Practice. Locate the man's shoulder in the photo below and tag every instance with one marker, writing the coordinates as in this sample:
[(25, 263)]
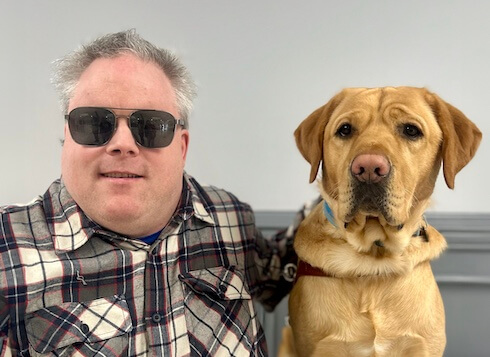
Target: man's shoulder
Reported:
[(222, 208), (20, 208), (17, 219), (49, 201)]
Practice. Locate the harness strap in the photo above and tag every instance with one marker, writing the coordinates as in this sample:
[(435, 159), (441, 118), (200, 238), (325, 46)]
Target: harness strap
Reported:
[(305, 269)]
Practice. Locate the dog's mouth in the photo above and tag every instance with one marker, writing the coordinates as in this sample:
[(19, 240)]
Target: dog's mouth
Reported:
[(371, 202)]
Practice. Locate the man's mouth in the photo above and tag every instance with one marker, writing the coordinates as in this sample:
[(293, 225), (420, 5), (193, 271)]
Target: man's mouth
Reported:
[(120, 175)]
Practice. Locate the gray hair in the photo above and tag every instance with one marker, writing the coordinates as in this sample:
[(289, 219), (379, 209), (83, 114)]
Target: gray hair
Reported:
[(67, 70)]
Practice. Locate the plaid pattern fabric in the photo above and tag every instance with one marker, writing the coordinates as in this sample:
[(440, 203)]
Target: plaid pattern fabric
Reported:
[(68, 287)]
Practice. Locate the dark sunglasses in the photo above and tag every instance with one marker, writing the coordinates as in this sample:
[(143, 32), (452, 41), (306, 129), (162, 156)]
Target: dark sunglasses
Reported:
[(95, 126)]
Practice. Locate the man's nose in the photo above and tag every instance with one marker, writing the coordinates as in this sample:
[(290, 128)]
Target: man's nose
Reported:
[(122, 142)]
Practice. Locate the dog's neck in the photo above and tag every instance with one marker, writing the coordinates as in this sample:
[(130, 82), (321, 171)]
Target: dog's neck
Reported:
[(374, 234), (305, 269), (366, 246)]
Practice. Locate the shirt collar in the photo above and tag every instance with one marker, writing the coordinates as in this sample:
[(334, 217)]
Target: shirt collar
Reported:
[(70, 228), (194, 200)]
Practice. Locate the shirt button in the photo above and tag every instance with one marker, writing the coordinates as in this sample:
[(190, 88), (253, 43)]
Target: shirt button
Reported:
[(156, 317), (223, 288), (85, 329)]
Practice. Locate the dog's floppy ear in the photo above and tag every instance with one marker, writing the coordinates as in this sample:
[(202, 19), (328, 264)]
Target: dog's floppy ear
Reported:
[(461, 137), (309, 134)]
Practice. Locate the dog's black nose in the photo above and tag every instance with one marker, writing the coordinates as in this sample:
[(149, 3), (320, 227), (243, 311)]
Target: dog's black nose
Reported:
[(370, 168)]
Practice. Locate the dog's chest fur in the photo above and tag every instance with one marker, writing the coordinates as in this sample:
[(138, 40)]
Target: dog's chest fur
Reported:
[(369, 300), (366, 315)]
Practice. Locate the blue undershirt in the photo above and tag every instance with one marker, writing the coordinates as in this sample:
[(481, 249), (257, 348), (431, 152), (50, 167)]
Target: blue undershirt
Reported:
[(151, 238)]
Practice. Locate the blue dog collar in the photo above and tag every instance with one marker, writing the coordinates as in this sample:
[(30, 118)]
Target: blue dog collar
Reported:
[(329, 214)]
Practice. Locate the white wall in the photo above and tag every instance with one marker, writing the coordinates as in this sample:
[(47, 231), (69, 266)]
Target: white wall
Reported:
[(261, 67)]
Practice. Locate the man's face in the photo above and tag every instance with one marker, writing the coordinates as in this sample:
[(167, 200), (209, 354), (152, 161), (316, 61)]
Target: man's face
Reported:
[(123, 186)]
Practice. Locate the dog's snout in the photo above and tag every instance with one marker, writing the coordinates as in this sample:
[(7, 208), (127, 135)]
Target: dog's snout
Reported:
[(370, 168)]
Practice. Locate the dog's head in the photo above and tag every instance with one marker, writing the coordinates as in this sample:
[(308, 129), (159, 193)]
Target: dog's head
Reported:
[(381, 149)]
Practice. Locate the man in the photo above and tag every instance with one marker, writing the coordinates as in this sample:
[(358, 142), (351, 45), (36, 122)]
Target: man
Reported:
[(126, 254)]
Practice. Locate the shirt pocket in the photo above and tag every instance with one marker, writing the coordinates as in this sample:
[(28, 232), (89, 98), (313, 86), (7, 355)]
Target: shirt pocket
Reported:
[(95, 328), (218, 283), (218, 308)]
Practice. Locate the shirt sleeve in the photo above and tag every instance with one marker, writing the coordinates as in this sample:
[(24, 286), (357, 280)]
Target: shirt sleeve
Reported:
[(5, 349), (276, 261)]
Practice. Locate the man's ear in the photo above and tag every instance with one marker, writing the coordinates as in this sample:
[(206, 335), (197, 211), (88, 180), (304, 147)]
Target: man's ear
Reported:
[(309, 134), (461, 137), (184, 143)]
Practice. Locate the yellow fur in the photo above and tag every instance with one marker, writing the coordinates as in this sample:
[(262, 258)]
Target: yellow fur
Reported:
[(382, 299)]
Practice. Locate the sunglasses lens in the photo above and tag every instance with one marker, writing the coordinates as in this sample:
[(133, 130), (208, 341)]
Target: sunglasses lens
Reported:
[(91, 126), (152, 128)]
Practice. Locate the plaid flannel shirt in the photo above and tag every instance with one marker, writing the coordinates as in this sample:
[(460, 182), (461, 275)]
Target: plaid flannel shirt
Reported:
[(69, 287)]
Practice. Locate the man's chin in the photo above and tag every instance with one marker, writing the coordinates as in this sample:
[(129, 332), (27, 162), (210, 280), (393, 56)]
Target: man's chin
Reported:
[(114, 216)]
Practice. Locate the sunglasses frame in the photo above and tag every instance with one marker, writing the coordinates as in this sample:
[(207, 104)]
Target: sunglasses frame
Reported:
[(178, 122)]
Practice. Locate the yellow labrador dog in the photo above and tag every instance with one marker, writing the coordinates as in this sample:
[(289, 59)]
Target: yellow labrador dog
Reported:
[(364, 285)]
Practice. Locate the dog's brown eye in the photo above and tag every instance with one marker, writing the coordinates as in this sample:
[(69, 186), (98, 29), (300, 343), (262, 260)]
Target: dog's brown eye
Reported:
[(411, 131), (345, 130)]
